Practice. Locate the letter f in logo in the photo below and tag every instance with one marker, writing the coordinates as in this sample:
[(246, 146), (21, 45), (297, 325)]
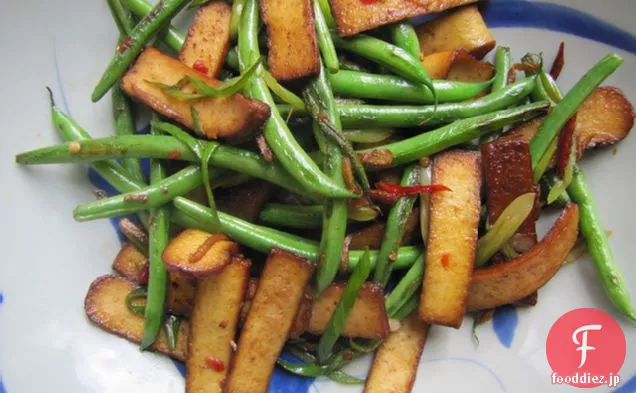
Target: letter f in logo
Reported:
[(583, 344)]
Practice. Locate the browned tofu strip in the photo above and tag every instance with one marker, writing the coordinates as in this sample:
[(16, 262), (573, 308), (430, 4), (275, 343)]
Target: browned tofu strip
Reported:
[(208, 39), (198, 253), (354, 16), (213, 326), (605, 118), (452, 239), (105, 306), (234, 117), (129, 263), (293, 48), (396, 361), (463, 28), (280, 292), (509, 282), (367, 319), (508, 174)]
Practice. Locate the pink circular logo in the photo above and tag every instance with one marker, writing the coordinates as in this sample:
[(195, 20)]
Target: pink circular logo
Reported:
[(586, 348)]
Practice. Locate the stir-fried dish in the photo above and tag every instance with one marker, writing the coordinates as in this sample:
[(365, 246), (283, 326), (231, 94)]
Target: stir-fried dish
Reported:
[(326, 180)]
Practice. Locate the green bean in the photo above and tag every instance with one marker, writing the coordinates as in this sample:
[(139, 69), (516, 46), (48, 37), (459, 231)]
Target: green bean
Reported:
[(556, 119), (390, 56), (365, 116), (341, 313), (406, 288), (461, 131), (302, 217), (158, 234), (280, 139), (319, 98), (394, 88), (190, 214), (172, 37), (132, 45), (394, 229), (125, 125), (598, 245), (327, 48), (326, 12), (579, 190), (404, 36), (122, 17), (503, 64), (152, 196), (235, 20), (163, 147), (115, 174)]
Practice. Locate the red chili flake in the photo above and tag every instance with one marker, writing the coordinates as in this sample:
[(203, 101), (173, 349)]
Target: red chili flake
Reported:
[(223, 324), (564, 145), (445, 261), (401, 191), (559, 62), (369, 1), (144, 274), (347, 356), (215, 364), (200, 66), (205, 247), (173, 155), (124, 44)]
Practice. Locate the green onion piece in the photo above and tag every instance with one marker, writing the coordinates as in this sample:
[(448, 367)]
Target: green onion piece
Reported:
[(366, 347), (193, 143), (133, 297), (172, 325), (550, 86), (339, 318), (336, 375), (282, 92), (202, 89), (205, 174), (362, 213), (504, 228), (368, 135)]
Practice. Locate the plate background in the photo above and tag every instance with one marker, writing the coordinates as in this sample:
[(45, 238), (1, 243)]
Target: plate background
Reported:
[(48, 260)]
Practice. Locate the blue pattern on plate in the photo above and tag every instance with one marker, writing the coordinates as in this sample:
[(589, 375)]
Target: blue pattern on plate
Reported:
[(1, 298), (505, 322), (497, 13), (627, 387), (555, 17), (2, 389)]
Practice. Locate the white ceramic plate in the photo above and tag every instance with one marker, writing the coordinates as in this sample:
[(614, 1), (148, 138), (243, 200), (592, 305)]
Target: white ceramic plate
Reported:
[(48, 260)]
